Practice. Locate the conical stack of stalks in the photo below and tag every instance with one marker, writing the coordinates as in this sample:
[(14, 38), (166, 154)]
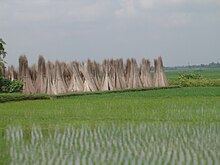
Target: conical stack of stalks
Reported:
[(50, 78), (60, 84), (60, 77), (107, 79), (89, 82), (120, 82), (41, 75), (133, 74), (145, 73), (76, 82), (160, 79), (24, 75), (65, 71), (33, 74), (11, 73), (95, 73)]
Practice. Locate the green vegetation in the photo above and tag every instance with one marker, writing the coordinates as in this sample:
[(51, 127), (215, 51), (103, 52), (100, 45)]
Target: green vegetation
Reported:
[(7, 97), (2, 53), (10, 86), (194, 77), (193, 80), (7, 86), (170, 125), (209, 73), (181, 104)]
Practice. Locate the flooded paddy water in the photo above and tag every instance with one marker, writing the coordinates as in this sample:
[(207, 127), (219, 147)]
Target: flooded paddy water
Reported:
[(131, 143)]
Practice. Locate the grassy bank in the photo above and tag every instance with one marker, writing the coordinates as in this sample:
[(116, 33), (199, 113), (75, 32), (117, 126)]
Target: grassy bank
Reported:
[(9, 97)]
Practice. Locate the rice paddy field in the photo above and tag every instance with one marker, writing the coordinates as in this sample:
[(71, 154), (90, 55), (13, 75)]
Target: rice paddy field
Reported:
[(164, 126), (209, 73)]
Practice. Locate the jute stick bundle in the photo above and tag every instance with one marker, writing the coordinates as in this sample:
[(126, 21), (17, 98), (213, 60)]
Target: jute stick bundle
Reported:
[(59, 77)]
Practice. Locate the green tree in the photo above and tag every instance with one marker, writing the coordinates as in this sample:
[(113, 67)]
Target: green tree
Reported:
[(7, 85), (2, 54)]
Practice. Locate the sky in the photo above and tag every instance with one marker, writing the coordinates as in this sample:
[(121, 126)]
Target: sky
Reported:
[(183, 32)]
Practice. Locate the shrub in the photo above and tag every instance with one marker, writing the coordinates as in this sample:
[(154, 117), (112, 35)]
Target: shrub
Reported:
[(7, 97), (193, 80), (14, 86), (2, 83), (190, 76), (9, 86)]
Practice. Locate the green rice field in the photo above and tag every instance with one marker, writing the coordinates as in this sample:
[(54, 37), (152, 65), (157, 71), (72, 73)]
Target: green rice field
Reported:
[(209, 73), (164, 126)]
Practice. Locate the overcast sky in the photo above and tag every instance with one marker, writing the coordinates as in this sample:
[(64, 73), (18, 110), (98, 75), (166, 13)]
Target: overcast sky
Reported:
[(181, 31)]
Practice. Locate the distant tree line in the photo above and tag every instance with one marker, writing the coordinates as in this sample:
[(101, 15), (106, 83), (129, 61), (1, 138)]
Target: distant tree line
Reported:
[(201, 66)]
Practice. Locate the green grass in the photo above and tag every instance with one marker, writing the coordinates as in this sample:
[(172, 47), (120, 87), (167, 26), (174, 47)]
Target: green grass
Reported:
[(181, 104), (6, 97), (190, 109), (209, 73)]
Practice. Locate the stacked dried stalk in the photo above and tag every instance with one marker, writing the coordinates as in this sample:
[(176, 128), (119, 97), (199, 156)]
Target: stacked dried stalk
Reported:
[(41, 76), (76, 82), (50, 78), (89, 80), (11, 73), (145, 73), (25, 76), (133, 74), (160, 79), (108, 76), (59, 77), (120, 82)]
